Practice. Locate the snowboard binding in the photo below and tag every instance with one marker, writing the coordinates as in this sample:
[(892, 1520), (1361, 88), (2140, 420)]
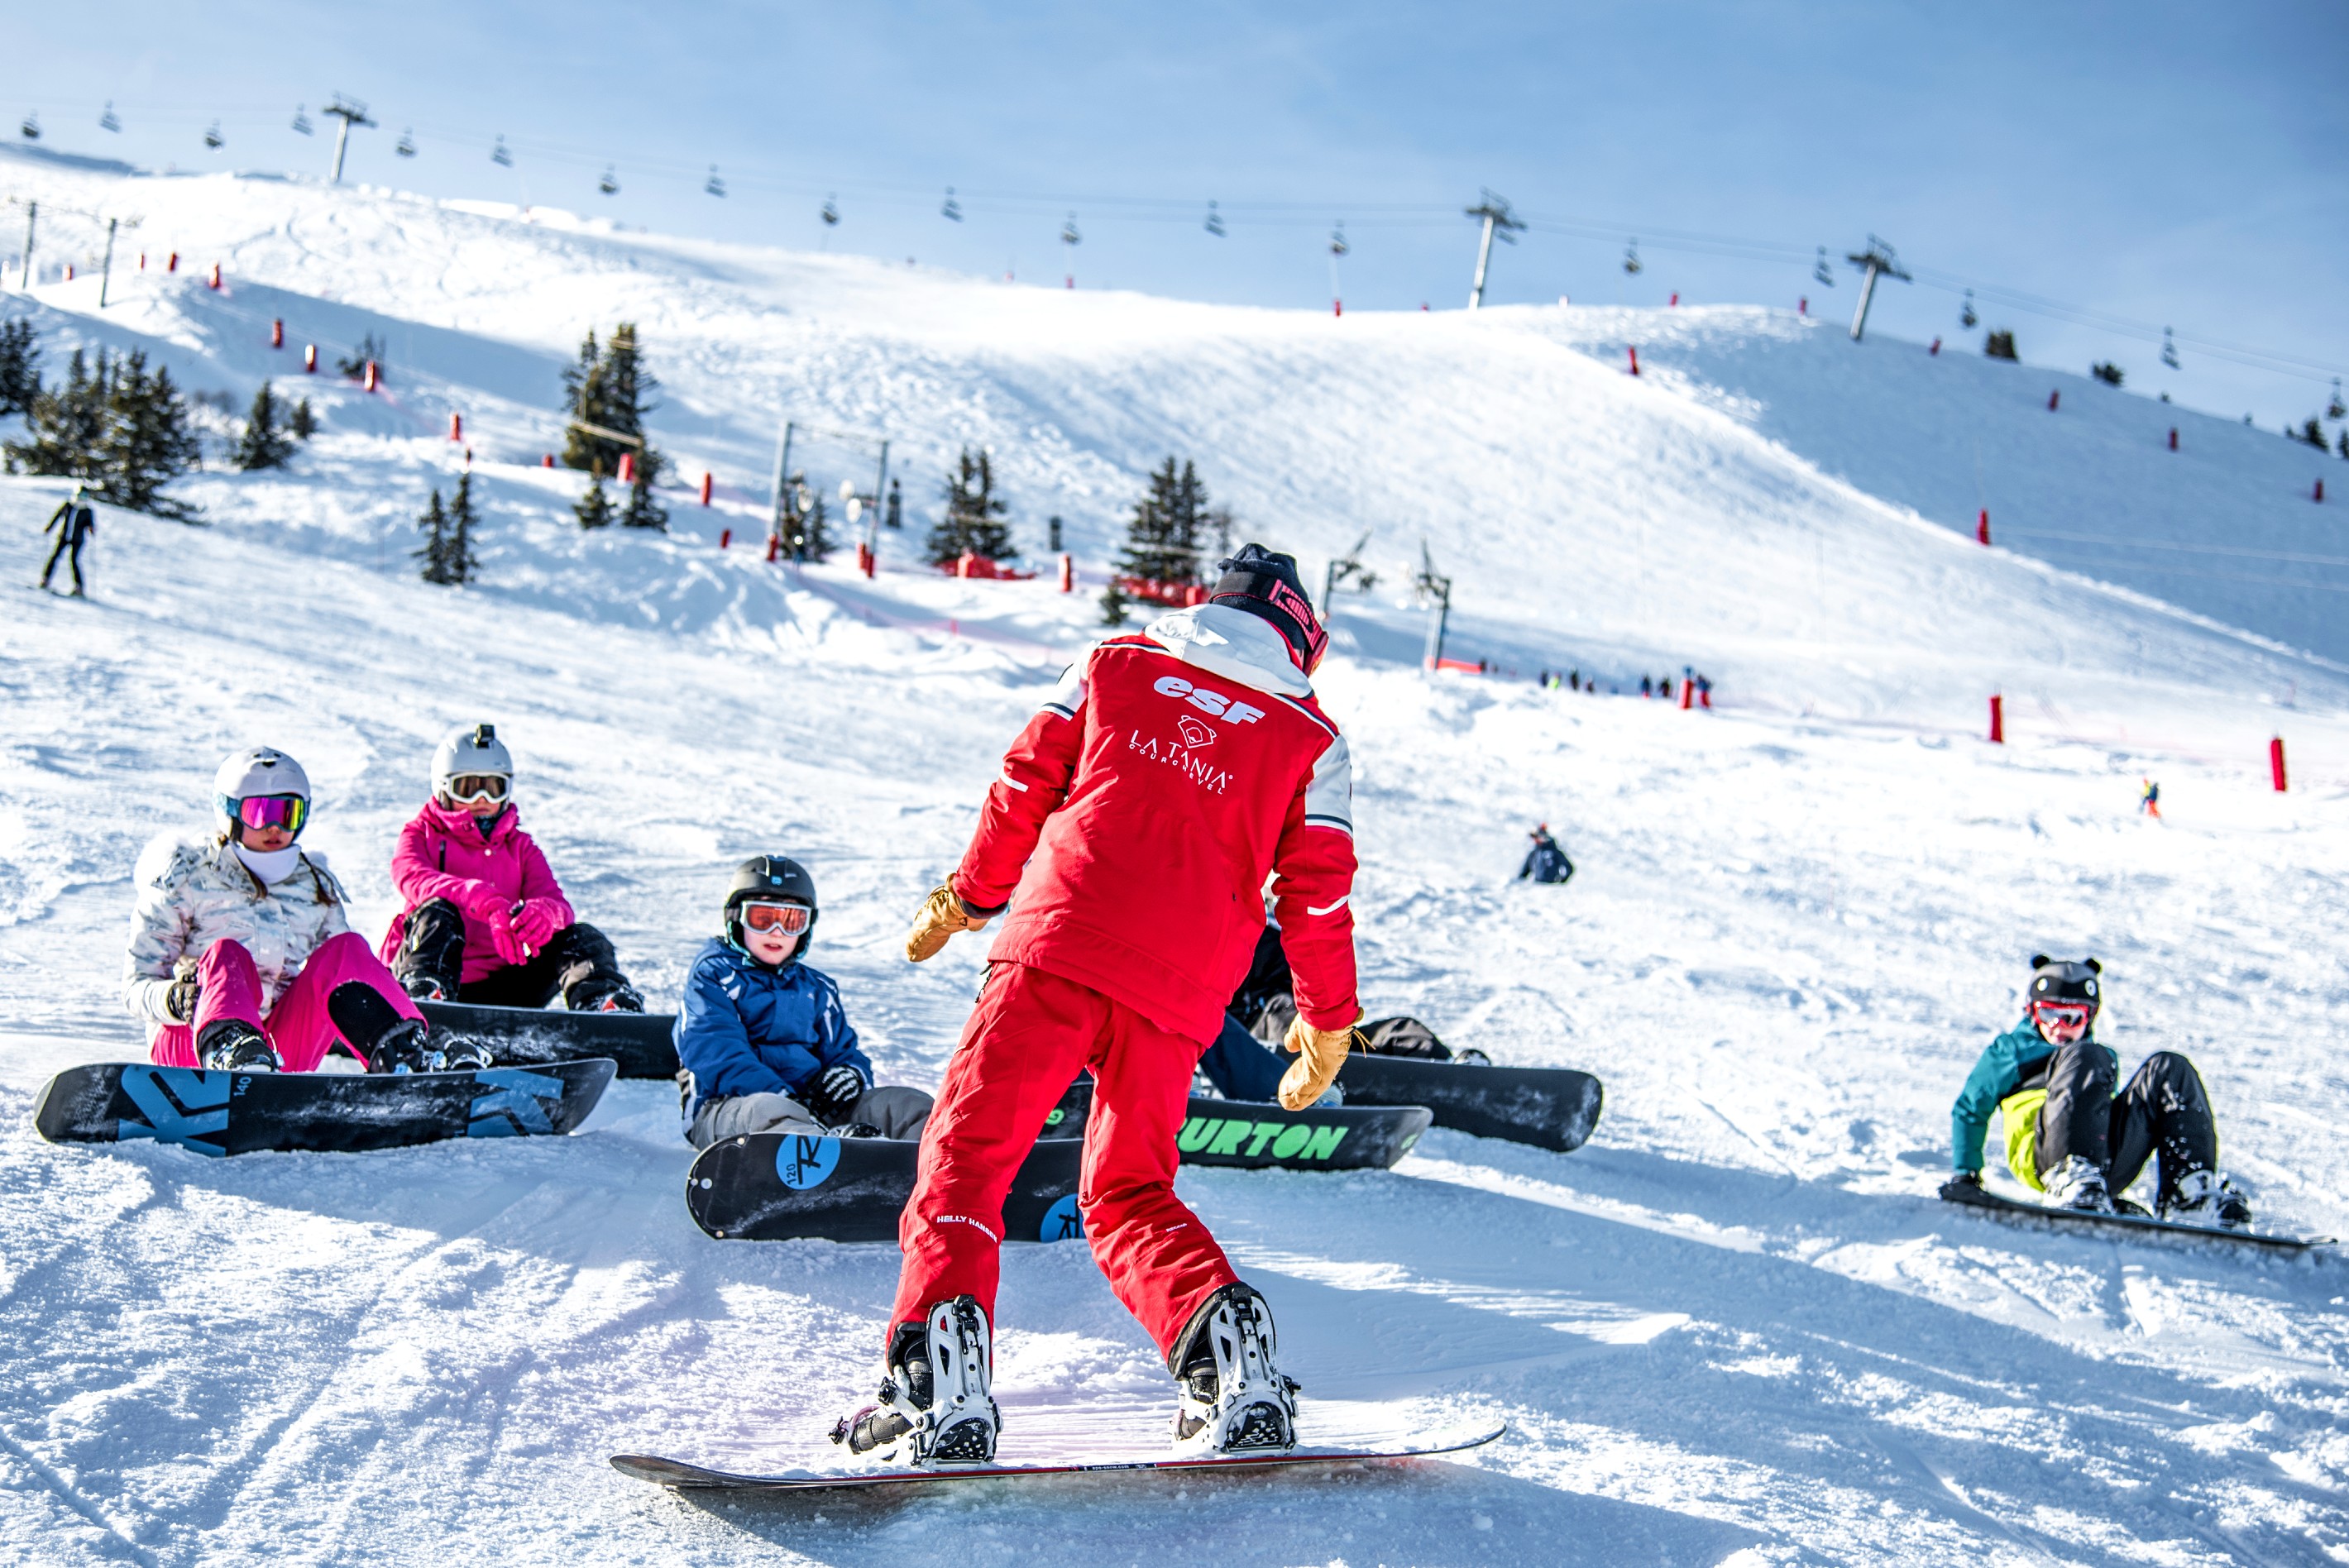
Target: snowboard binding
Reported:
[(1231, 1397), (231, 1045), (935, 1410)]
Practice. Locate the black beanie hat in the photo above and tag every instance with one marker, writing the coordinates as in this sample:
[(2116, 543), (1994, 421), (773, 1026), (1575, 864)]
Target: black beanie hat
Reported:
[(1265, 583)]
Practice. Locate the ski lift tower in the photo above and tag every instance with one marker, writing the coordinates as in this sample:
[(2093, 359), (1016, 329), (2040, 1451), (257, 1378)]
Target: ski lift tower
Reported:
[(1875, 261), (1498, 220), (351, 112)]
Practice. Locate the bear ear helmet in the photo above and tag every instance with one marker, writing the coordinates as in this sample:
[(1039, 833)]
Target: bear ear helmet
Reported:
[(2094, 967), (2039, 961)]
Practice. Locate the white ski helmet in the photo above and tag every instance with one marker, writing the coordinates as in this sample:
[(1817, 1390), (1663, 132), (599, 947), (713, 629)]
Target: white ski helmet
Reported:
[(259, 771), (470, 749)]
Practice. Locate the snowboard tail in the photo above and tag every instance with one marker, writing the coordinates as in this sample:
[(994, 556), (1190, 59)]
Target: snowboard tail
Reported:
[(1253, 1135), (2007, 1208), (1550, 1107), (641, 1045), (784, 1186), (681, 1476), (221, 1113)]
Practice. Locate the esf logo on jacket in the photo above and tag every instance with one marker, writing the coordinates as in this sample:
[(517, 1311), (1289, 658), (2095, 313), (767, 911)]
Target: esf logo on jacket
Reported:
[(1214, 703)]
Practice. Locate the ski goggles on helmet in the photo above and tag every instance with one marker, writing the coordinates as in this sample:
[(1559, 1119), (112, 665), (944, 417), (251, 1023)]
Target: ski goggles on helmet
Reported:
[(470, 787), (1293, 613), (2064, 1015), (287, 811), (791, 919)]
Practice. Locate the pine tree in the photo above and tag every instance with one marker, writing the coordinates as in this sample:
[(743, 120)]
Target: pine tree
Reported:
[(1999, 345), (610, 388), (643, 511), (435, 551), (583, 390), (264, 445), (369, 351), (1162, 538), (67, 424), (2313, 433), (811, 538), (2105, 371), (458, 563), (20, 367), (2344, 442), (147, 442), (1113, 603), (303, 424), (594, 508), (974, 512)]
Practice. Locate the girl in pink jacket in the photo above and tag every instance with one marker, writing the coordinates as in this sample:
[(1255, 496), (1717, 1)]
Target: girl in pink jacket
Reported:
[(485, 919)]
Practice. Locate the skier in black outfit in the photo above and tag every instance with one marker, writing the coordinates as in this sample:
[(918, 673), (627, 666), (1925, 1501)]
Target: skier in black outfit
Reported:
[(1546, 862), (76, 522)]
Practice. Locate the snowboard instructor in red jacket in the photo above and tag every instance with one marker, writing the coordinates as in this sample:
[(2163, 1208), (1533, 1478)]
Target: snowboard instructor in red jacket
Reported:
[(1129, 837)]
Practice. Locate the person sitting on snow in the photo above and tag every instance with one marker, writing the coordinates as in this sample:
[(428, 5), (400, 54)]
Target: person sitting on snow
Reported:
[(765, 1045), (241, 943), (486, 921), (1546, 862), (2072, 1131)]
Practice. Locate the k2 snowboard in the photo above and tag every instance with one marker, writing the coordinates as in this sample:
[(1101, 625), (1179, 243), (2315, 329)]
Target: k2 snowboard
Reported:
[(1550, 1107), (781, 1186), (642, 1044), (1253, 1135), (686, 1477), (1990, 1202), (243, 1113)]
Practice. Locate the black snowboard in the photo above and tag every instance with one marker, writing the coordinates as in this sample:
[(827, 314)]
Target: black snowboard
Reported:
[(776, 1186), (1253, 1134), (643, 1044), (1990, 1202), (1550, 1107), (242, 1114)]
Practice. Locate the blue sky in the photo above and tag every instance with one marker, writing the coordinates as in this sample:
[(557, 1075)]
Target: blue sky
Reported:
[(2186, 165)]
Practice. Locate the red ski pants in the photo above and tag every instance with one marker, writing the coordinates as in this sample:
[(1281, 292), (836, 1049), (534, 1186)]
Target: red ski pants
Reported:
[(228, 987), (1026, 1041)]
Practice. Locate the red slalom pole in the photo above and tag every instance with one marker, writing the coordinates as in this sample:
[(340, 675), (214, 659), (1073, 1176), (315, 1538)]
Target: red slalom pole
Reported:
[(1068, 573), (1635, 358), (276, 334), (1997, 719), (2173, 438), (456, 427), (310, 359), (627, 468), (2275, 762), (1981, 528), (725, 538), (705, 489), (2051, 397)]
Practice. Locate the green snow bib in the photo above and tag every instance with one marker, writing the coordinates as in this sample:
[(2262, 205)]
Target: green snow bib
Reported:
[(2021, 1114)]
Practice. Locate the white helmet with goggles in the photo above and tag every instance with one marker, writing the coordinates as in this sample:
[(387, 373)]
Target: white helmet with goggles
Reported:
[(261, 787), (471, 762)]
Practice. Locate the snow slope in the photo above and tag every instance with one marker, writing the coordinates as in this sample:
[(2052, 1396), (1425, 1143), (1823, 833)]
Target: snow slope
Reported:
[(1736, 1328)]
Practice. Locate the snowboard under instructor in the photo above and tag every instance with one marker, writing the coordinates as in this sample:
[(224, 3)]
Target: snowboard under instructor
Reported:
[(1129, 834)]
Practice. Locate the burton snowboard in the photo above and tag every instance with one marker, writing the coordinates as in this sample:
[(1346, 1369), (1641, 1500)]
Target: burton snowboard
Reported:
[(1087, 1459), (642, 1044), (242, 1114), (1990, 1202), (779, 1186), (1253, 1134), (1550, 1107)]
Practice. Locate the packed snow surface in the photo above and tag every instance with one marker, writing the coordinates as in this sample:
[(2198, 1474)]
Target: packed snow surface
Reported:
[(1736, 1328)]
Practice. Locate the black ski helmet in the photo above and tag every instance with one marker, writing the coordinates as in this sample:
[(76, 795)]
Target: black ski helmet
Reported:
[(2061, 980), (1265, 583), (769, 879)]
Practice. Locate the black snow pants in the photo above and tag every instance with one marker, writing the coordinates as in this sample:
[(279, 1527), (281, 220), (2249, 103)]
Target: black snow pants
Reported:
[(578, 962), (69, 542), (2163, 1111)]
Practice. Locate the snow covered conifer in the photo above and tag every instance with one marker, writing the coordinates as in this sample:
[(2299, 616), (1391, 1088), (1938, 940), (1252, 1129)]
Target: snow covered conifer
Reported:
[(610, 390), (457, 560), (1162, 538), (66, 424), (974, 513), (2313, 433), (2105, 371), (20, 367), (303, 423), (434, 553), (147, 442), (265, 444), (594, 508), (1999, 345)]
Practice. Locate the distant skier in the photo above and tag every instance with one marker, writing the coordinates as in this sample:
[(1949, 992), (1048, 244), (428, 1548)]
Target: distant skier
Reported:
[(1130, 835), (486, 921), (1546, 862), (76, 522), (764, 1042), (2073, 1131), (240, 941), (2149, 798)]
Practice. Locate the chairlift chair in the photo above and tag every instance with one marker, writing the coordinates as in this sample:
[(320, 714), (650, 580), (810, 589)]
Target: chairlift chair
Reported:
[(110, 120), (500, 155), (950, 209), (610, 182), (714, 185), (301, 120), (1631, 258), (2334, 410), (831, 214), (1069, 236), (32, 128), (212, 137), (1215, 224), (2169, 353), (1826, 278), (1338, 246), (406, 145), (1966, 317)]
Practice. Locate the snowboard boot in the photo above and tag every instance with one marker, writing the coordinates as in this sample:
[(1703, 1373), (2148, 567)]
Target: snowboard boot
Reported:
[(424, 987), (2078, 1184), (2208, 1197), (231, 1045), (936, 1408), (620, 998), (1231, 1397), (375, 1032)]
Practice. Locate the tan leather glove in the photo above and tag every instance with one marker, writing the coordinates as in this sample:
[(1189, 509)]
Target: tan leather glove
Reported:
[(1320, 1053), (942, 914)]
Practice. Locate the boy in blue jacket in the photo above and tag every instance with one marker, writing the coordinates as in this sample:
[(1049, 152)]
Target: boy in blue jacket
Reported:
[(2072, 1131), (763, 1042)]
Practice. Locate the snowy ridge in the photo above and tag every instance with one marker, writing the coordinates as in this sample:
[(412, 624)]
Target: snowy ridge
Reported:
[(1736, 1326)]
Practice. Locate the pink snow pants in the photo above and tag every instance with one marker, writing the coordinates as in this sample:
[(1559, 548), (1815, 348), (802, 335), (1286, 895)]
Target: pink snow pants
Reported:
[(229, 987)]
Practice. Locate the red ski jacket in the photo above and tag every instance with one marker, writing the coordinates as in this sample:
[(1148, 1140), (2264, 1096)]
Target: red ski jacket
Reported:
[(1138, 814)]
